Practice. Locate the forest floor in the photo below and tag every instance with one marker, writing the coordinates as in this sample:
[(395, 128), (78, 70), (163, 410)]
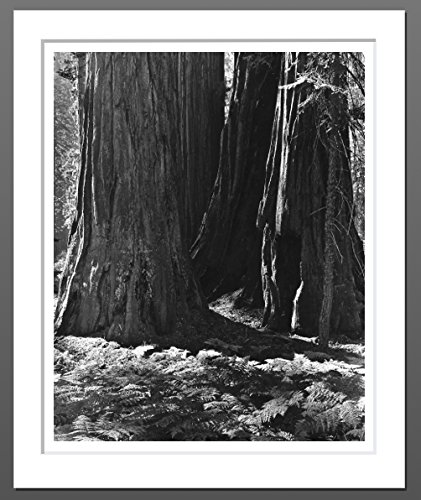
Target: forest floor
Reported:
[(223, 380)]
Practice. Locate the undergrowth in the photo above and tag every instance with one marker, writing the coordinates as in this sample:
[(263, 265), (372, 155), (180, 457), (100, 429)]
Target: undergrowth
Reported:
[(106, 392)]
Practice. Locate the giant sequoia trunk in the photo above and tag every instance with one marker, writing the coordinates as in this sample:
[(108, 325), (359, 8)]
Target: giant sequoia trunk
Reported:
[(310, 244), (226, 254), (128, 275)]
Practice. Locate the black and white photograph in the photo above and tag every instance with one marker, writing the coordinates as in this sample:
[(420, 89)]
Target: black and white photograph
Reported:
[(209, 246), (209, 258)]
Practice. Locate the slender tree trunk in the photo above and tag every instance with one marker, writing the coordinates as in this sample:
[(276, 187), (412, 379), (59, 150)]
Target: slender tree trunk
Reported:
[(329, 255), (335, 108), (226, 253), (128, 274)]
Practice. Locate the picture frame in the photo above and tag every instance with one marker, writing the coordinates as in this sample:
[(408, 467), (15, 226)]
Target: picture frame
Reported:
[(38, 463)]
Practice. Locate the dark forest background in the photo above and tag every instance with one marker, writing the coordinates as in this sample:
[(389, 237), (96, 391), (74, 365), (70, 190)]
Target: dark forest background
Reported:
[(209, 246)]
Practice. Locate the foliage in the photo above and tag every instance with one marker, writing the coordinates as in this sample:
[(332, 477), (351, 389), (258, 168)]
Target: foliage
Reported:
[(105, 392), (318, 75), (327, 413), (66, 66), (229, 79), (66, 141), (356, 99)]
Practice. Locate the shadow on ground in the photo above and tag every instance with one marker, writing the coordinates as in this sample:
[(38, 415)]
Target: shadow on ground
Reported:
[(217, 378)]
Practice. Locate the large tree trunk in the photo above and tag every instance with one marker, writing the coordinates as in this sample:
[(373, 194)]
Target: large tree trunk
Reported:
[(226, 254), (128, 274), (294, 208)]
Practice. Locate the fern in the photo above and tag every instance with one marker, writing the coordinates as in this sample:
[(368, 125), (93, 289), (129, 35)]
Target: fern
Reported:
[(279, 406), (327, 415), (103, 392)]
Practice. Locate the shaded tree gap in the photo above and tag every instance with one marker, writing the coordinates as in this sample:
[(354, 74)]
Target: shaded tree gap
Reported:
[(226, 253)]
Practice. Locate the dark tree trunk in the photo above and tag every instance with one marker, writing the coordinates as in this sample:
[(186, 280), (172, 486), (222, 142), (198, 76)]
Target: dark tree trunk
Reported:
[(293, 213), (128, 273), (337, 160), (202, 87), (226, 254), (280, 248)]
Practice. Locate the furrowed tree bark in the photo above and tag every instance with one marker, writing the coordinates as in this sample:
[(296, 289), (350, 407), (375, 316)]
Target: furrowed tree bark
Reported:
[(128, 274), (329, 252), (281, 248), (296, 212), (226, 253), (201, 106), (335, 109)]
